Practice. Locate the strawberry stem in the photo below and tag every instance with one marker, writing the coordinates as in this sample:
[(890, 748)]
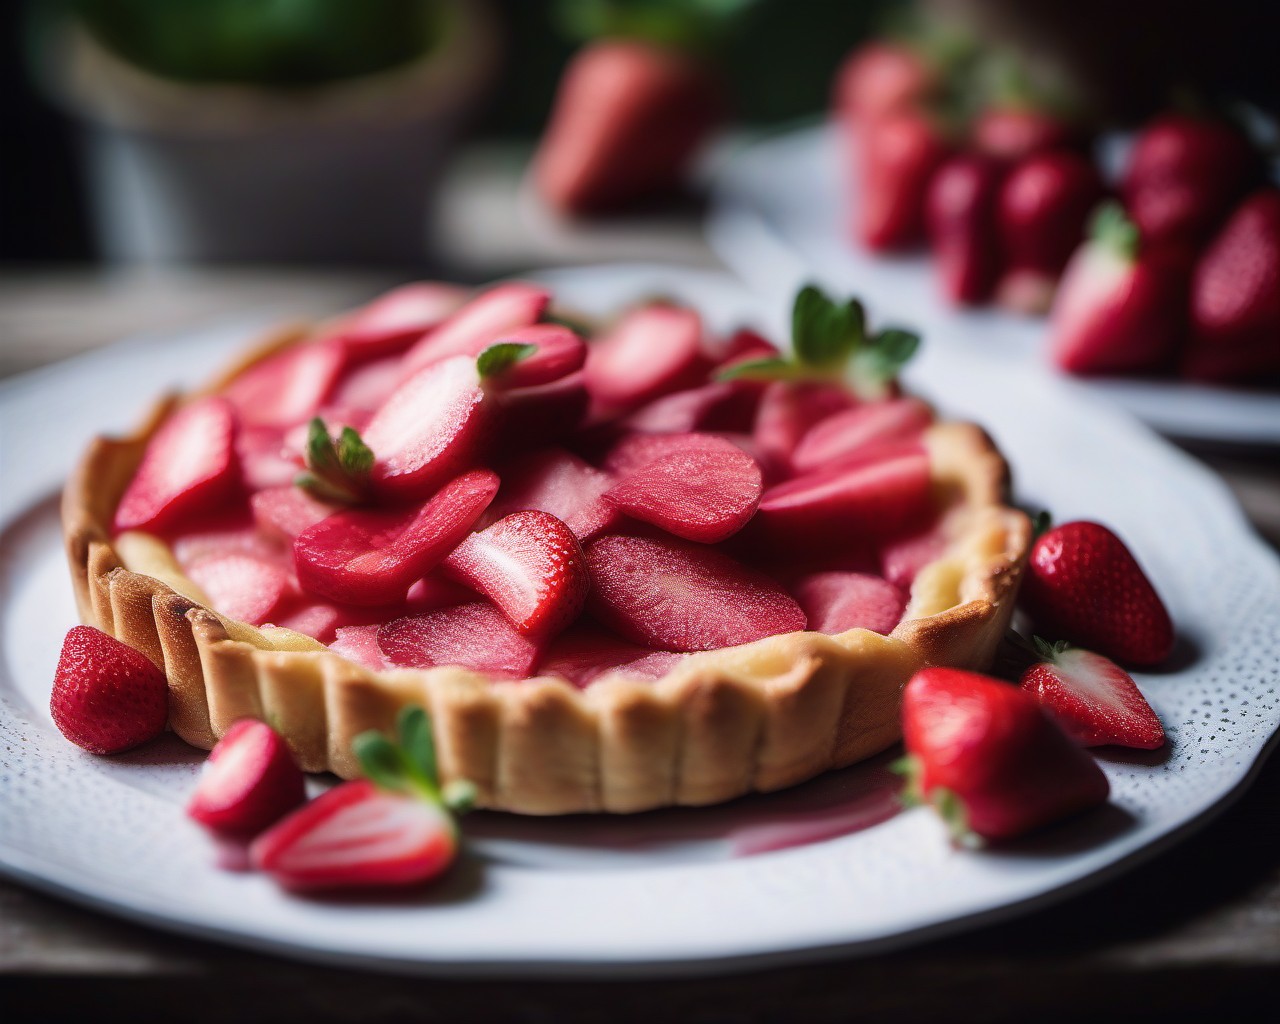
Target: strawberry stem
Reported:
[(335, 472), (1111, 228), (408, 764)]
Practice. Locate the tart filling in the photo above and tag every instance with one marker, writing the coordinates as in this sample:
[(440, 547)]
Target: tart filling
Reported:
[(644, 568)]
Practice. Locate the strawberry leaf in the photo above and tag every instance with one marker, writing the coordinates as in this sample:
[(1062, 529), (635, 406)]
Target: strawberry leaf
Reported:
[(354, 456), (320, 454), (418, 744), (769, 368), (380, 761), (1110, 228), (824, 334), (499, 358), (335, 473), (877, 364)]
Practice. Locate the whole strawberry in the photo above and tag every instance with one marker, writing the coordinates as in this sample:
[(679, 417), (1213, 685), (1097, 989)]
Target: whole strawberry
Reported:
[(896, 158), (882, 78), (1092, 698), (960, 213), (1083, 585), (989, 759), (107, 697)]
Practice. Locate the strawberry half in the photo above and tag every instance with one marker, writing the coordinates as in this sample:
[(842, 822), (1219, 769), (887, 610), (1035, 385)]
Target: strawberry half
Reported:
[(1084, 585), (372, 557), (960, 215), (681, 597), (288, 387), (250, 781), (475, 636), (531, 566), (706, 491), (392, 829), (859, 429), (532, 356), (431, 427), (561, 484), (988, 759), (400, 316), (1092, 698), (837, 601), (189, 466), (107, 698), (477, 325)]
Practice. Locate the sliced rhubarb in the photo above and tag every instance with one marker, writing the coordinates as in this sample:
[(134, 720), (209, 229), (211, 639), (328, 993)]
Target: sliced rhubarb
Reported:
[(902, 558), (366, 387), (531, 566), (838, 601), (288, 387), (372, 557), (243, 586), (634, 451), (478, 324), (849, 502), (189, 466), (583, 654), (557, 482), (360, 644), (678, 596), (705, 492), (402, 315), (790, 409), (265, 461), (430, 428), (721, 405), (322, 619), (475, 636), (285, 512), (651, 351), (534, 356), (844, 433)]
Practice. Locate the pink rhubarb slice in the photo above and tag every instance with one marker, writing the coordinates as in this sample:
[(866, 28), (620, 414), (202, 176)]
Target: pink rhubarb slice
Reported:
[(477, 325), (288, 387), (857, 429), (651, 351), (557, 482), (839, 601), (475, 636)]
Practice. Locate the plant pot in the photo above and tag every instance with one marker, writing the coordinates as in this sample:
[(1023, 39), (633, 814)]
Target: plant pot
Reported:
[(338, 173)]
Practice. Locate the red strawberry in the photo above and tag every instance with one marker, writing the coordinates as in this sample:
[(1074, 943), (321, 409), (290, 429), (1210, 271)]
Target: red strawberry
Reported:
[(284, 512), (288, 387), (896, 158), (880, 79), (582, 654), (189, 466), (1083, 585), (720, 405), (1184, 174), (651, 351), (556, 353), (1013, 131), (706, 491), (1235, 297), (562, 484), (501, 310), (531, 566), (960, 214), (107, 697), (1043, 208), (989, 759), (789, 409), (858, 429), (391, 829), (627, 120), (430, 428), (475, 636), (400, 316), (249, 782), (243, 585), (1121, 306), (838, 601), (682, 597), (1094, 700), (372, 557), (265, 461)]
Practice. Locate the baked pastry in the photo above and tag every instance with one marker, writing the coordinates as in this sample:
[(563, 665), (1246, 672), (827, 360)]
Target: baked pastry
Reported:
[(658, 568)]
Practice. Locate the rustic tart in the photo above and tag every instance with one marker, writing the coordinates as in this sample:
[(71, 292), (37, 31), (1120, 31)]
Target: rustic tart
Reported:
[(623, 566)]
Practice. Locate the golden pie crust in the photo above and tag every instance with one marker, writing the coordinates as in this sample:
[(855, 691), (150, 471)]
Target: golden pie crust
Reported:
[(752, 718)]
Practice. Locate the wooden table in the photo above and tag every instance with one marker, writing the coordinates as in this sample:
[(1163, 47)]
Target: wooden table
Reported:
[(1194, 931)]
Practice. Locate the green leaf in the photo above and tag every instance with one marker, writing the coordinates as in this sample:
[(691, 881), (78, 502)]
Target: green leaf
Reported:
[(335, 473), (499, 358), (417, 742), (320, 454), (354, 456), (1110, 227), (880, 361), (320, 488), (767, 368), (380, 761), (824, 333)]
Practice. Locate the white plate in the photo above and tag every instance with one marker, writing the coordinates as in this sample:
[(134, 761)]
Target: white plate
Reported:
[(665, 892), (781, 214)]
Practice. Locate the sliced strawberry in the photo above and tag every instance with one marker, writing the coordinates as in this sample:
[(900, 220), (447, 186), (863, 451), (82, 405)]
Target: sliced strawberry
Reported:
[(228, 534), (106, 698), (189, 466), (288, 387), (554, 481), (324, 620), (265, 461), (431, 428), (250, 781), (651, 351), (682, 597), (402, 315), (475, 636), (358, 836), (366, 387), (1092, 698), (243, 586), (543, 414), (360, 644), (789, 409), (706, 491), (373, 557), (860, 428), (285, 512), (583, 654), (721, 405), (531, 566), (477, 325), (556, 353), (852, 500), (838, 601)]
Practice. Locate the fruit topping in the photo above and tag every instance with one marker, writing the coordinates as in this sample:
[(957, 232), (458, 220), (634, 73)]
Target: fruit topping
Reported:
[(249, 782), (557, 482), (485, 319), (400, 316), (373, 556), (837, 601), (583, 654), (532, 356), (651, 351), (475, 636), (107, 698), (858, 429), (531, 566), (189, 466), (243, 585), (682, 597), (288, 387), (284, 512)]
